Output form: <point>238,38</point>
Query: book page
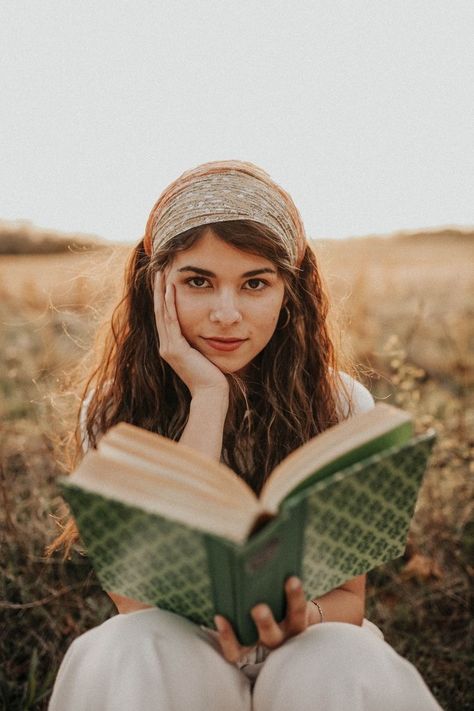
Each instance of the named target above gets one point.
<point>174,499</point>
<point>175,460</point>
<point>365,430</point>
<point>159,475</point>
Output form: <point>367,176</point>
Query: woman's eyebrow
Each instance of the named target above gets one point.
<point>205,272</point>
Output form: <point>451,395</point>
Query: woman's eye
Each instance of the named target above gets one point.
<point>265,283</point>
<point>188,281</point>
<point>202,279</point>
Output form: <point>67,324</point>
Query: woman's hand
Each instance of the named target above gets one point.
<point>271,633</point>
<point>195,370</point>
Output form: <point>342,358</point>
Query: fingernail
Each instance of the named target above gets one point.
<point>261,613</point>
<point>219,623</point>
<point>294,583</point>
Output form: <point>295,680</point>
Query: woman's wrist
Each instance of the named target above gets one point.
<point>213,403</point>
<point>320,610</point>
<point>219,392</point>
<point>338,605</point>
<point>205,426</point>
<point>315,612</point>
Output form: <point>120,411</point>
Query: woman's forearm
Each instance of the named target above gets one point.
<point>338,606</point>
<point>203,432</point>
<point>205,426</point>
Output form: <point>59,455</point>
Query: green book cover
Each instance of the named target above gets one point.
<point>337,524</point>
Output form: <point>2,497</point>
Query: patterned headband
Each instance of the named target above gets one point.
<point>220,191</point>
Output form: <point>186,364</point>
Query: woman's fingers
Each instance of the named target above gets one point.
<point>231,648</point>
<point>169,331</point>
<point>170,309</point>
<point>194,369</point>
<point>158,302</point>
<point>296,611</point>
<point>270,632</point>
<point>165,306</point>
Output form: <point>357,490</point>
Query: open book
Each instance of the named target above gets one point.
<point>167,525</point>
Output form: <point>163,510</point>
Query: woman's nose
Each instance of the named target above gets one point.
<point>226,311</point>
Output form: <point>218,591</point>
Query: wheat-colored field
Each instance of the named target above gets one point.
<point>417,287</point>
<point>404,306</point>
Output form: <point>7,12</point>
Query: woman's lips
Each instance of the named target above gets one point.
<point>223,346</point>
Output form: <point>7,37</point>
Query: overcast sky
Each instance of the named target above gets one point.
<point>361,109</point>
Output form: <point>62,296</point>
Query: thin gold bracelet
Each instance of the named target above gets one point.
<point>315,602</point>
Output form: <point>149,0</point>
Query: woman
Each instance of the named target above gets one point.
<point>225,258</point>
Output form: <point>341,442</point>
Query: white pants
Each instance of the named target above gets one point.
<point>154,660</point>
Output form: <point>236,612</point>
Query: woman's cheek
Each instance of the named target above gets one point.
<point>273,307</point>
<point>186,309</point>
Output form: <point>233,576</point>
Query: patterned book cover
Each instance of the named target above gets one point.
<point>332,531</point>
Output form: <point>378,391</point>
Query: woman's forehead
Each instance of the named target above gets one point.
<point>211,251</point>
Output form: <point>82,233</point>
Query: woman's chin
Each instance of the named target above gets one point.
<point>229,368</point>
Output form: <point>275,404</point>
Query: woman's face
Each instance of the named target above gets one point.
<point>229,303</point>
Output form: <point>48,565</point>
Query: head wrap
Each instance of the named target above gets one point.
<point>220,191</point>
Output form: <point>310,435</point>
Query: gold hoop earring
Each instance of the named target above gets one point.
<point>284,325</point>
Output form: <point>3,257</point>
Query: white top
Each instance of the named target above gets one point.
<point>359,395</point>
<point>361,398</point>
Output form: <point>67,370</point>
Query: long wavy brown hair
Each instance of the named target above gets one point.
<point>290,393</point>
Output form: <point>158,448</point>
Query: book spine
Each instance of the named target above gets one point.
<point>221,561</point>
<point>244,576</point>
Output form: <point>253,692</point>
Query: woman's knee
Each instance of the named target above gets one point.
<point>154,633</point>
<point>332,645</point>
<point>334,662</point>
<point>123,630</point>
<point>145,656</point>
<point>318,658</point>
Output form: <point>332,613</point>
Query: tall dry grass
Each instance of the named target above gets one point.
<point>405,308</point>
<point>22,237</point>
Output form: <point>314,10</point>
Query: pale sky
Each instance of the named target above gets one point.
<point>361,109</point>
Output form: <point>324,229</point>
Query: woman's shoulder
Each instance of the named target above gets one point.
<point>353,392</point>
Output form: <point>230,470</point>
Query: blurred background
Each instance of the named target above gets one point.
<point>362,112</point>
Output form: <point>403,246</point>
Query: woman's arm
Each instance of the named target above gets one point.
<point>345,603</point>
<point>205,426</point>
<point>204,432</point>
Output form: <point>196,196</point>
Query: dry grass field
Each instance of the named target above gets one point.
<point>405,308</point>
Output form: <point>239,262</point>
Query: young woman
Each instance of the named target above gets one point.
<point>221,342</point>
